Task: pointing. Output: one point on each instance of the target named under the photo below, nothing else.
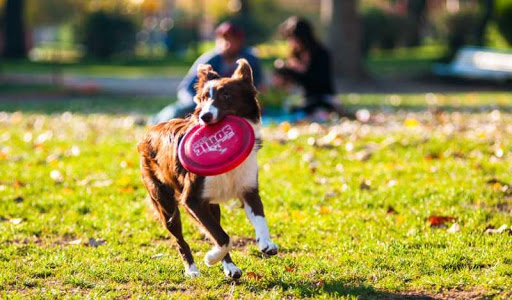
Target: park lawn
(348, 204)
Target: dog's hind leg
(163, 200)
(200, 211)
(230, 269)
(254, 210)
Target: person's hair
(230, 29)
(301, 30)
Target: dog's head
(218, 97)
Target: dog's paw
(192, 271)
(267, 246)
(216, 254)
(231, 270)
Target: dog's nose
(207, 117)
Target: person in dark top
(229, 47)
(309, 66)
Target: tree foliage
(106, 34)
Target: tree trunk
(488, 9)
(244, 8)
(344, 37)
(14, 30)
(416, 11)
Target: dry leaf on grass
(503, 228)
(56, 176)
(439, 221)
(252, 275)
(391, 210)
(16, 221)
(365, 185)
(95, 243)
(75, 242)
(454, 228)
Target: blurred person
(229, 47)
(309, 66)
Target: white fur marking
(265, 243)
(208, 107)
(231, 270)
(233, 184)
(217, 254)
(192, 271)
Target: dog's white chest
(234, 183)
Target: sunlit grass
(348, 205)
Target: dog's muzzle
(209, 113)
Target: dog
(171, 186)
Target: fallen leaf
(290, 268)
(363, 155)
(363, 115)
(293, 134)
(285, 126)
(454, 228)
(67, 191)
(325, 210)
(365, 185)
(17, 184)
(95, 243)
(391, 210)
(56, 176)
(75, 242)
(331, 194)
(252, 275)
(502, 229)
(127, 189)
(15, 221)
(75, 151)
(392, 182)
(319, 283)
(411, 122)
(438, 221)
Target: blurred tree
(416, 10)
(344, 37)
(53, 12)
(259, 19)
(504, 19)
(108, 33)
(14, 30)
(487, 7)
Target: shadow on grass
(339, 288)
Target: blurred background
(143, 48)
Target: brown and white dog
(170, 185)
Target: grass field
(348, 204)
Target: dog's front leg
(254, 211)
(200, 211)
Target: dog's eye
(225, 96)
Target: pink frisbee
(209, 150)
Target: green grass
(336, 236)
(129, 68)
(404, 62)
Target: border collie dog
(170, 185)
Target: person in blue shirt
(229, 47)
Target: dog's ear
(243, 71)
(205, 73)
